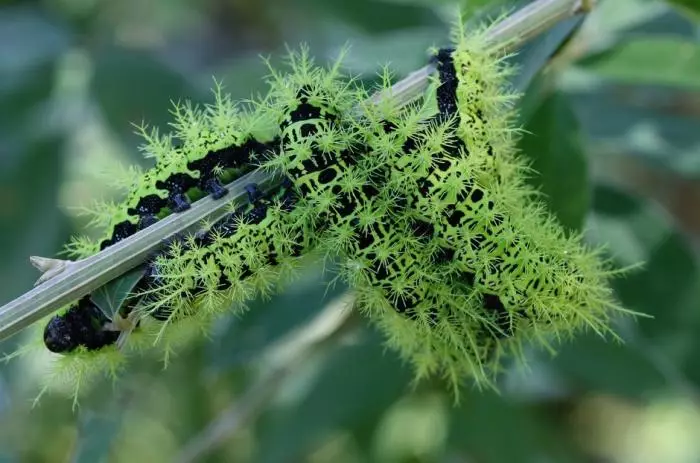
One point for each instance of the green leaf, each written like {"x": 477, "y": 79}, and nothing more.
{"x": 619, "y": 16}
{"x": 666, "y": 287}
{"x": 690, "y": 362}
{"x": 267, "y": 321}
{"x": 357, "y": 384}
{"x": 658, "y": 60}
{"x": 110, "y": 297}
{"x": 30, "y": 222}
{"x": 243, "y": 76}
{"x": 590, "y": 363}
{"x": 97, "y": 429}
{"x": 553, "y": 144}
{"x": 28, "y": 38}
{"x": 641, "y": 121}
{"x": 485, "y": 420}
{"x": 689, "y": 7}
{"x": 536, "y": 54}
{"x": 405, "y": 50}
{"x": 415, "y": 428}
{"x": 373, "y": 16}
{"x": 135, "y": 86}
{"x": 31, "y": 151}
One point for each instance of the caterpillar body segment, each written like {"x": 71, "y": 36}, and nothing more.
{"x": 474, "y": 93}
{"x": 385, "y": 243}
{"x": 237, "y": 259}
{"x": 210, "y": 145}
{"x": 341, "y": 184}
{"x": 447, "y": 83}
{"x": 393, "y": 256}
{"x": 399, "y": 290}
{"x": 516, "y": 250}
{"x": 91, "y": 340}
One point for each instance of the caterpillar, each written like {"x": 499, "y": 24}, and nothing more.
{"x": 447, "y": 247}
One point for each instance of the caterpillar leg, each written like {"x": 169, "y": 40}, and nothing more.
{"x": 147, "y": 220}
{"x": 254, "y": 193}
{"x": 180, "y": 203}
{"x": 214, "y": 188}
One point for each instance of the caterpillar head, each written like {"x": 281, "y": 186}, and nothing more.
{"x": 82, "y": 325}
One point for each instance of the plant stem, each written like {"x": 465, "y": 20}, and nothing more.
{"x": 82, "y": 277}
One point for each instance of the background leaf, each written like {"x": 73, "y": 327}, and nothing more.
{"x": 481, "y": 424}
{"x": 552, "y": 143}
{"x": 96, "y": 430}
{"x": 355, "y": 385}
{"x": 690, "y": 7}
{"x": 120, "y": 72}
{"x": 676, "y": 62}
{"x": 241, "y": 338}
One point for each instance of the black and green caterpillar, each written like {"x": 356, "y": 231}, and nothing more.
{"x": 445, "y": 244}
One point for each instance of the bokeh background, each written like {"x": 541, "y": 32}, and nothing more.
{"x": 613, "y": 114}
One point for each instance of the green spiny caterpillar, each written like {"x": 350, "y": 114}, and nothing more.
{"x": 449, "y": 251}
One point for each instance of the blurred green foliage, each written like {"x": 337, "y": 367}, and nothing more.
{"x": 624, "y": 90}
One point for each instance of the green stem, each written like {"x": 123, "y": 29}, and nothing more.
{"x": 79, "y": 278}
